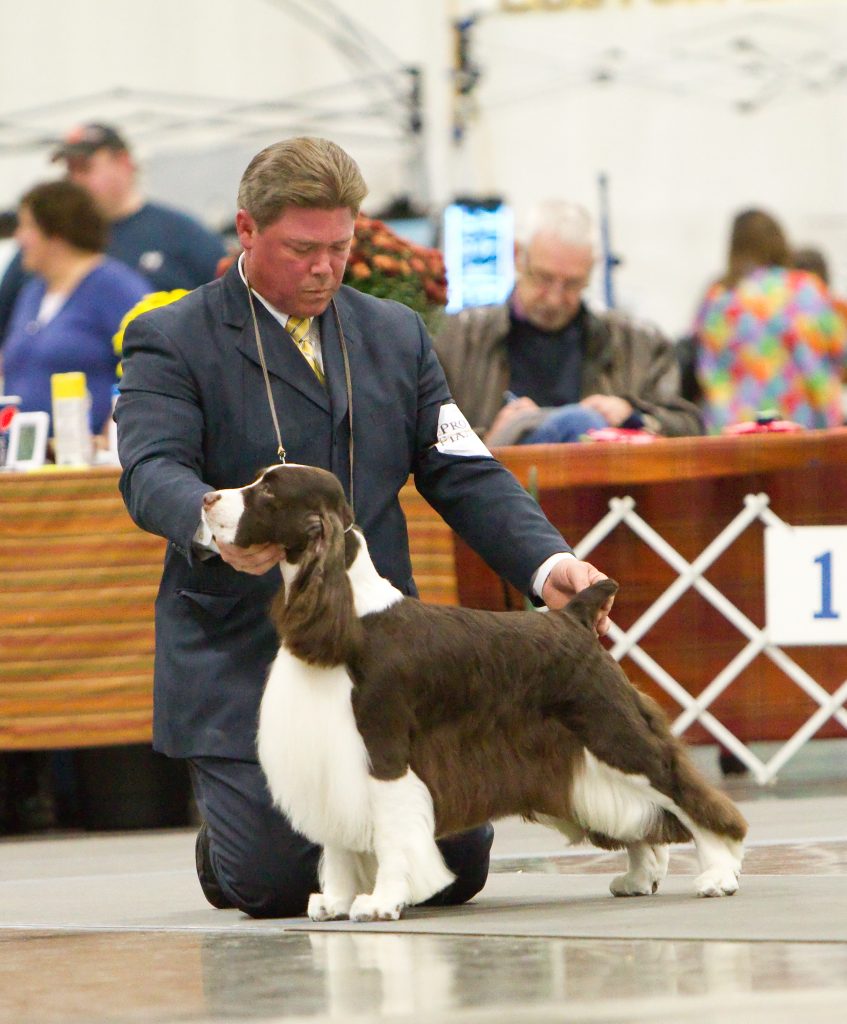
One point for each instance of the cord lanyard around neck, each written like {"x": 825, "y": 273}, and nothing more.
{"x": 281, "y": 453}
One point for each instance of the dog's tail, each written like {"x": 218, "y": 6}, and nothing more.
{"x": 585, "y": 606}
{"x": 707, "y": 805}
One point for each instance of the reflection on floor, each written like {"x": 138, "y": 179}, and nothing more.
{"x": 112, "y": 930}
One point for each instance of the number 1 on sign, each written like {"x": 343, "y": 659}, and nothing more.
{"x": 827, "y": 611}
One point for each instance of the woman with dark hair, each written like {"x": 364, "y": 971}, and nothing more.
{"x": 770, "y": 339}
{"x": 65, "y": 317}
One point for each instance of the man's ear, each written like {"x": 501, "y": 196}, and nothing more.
{"x": 520, "y": 256}
{"x": 246, "y": 228}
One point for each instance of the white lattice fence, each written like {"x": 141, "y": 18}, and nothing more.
{"x": 690, "y": 575}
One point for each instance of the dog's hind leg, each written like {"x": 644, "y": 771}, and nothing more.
{"x": 648, "y": 865}
{"x": 630, "y": 810}
{"x": 720, "y": 862}
{"x": 714, "y": 822}
{"x": 410, "y": 867}
{"x": 655, "y": 766}
{"x": 343, "y": 874}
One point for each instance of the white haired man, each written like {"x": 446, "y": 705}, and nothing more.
{"x": 560, "y": 368}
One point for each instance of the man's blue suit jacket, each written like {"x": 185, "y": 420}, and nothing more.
{"x": 193, "y": 416}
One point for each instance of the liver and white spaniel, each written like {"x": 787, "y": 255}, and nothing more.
{"x": 386, "y": 722}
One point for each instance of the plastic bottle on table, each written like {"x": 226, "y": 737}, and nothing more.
{"x": 71, "y": 432}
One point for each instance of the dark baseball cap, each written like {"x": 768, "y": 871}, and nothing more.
{"x": 85, "y": 139}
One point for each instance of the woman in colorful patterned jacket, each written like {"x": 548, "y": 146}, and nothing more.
{"x": 771, "y": 340}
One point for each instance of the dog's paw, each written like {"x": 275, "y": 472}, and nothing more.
{"x": 648, "y": 865}
{"x": 719, "y": 881}
{"x": 633, "y": 883}
{"x": 327, "y": 908}
{"x": 371, "y": 908}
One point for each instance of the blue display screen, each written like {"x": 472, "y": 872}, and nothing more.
{"x": 479, "y": 253}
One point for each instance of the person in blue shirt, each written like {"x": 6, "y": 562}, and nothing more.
{"x": 63, "y": 319}
{"x": 67, "y": 313}
{"x": 167, "y": 247}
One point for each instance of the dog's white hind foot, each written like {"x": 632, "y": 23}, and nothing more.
{"x": 720, "y": 858}
{"x": 717, "y": 881}
{"x": 648, "y": 865}
{"x": 374, "y": 908}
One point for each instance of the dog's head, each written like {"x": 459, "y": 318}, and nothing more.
{"x": 287, "y": 504}
{"x": 303, "y": 509}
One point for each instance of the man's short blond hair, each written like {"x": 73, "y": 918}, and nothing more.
{"x": 306, "y": 172}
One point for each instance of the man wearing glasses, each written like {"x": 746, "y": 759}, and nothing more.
{"x": 544, "y": 368}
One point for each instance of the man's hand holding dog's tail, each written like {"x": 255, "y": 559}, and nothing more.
{"x": 567, "y": 577}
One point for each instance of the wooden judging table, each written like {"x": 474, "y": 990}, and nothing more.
{"x": 78, "y": 582}
{"x": 78, "y": 578}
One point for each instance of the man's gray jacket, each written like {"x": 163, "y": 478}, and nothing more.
{"x": 623, "y": 358}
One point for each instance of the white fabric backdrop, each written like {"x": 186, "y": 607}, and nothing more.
{"x": 652, "y": 94}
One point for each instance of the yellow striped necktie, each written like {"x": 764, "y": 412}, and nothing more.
{"x": 298, "y": 328}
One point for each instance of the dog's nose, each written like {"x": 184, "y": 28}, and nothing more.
{"x": 210, "y": 497}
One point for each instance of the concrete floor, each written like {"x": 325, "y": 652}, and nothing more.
{"x": 113, "y": 929}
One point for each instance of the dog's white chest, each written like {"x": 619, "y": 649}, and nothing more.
{"x": 313, "y": 754}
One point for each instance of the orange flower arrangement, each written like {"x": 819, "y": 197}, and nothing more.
{"x": 383, "y": 264}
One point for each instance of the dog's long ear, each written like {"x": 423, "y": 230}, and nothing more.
{"x": 318, "y": 620}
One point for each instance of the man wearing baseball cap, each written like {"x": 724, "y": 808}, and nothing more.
{"x": 169, "y": 248}
{"x": 86, "y": 139}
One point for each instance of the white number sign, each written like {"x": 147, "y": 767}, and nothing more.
{"x": 806, "y": 584}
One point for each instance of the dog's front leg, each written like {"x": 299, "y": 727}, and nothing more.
{"x": 410, "y": 867}
{"x": 343, "y": 873}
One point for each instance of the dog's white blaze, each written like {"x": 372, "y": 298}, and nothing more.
{"x": 371, "y": 592}
{"x": 313, "y": 754}
{"x": 224, "y": 515}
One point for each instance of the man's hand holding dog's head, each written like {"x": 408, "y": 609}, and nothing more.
{"x": 257, "y": 559}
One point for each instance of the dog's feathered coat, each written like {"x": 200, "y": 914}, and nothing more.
{"x": 387, "y": 722}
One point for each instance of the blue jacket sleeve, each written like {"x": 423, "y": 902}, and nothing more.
{"x": 160, "y": 436}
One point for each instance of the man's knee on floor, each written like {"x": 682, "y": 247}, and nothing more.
{"x": 283, "y": 895}
{"x": 278, "y": 890}
{"x": 271, "y": 902}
